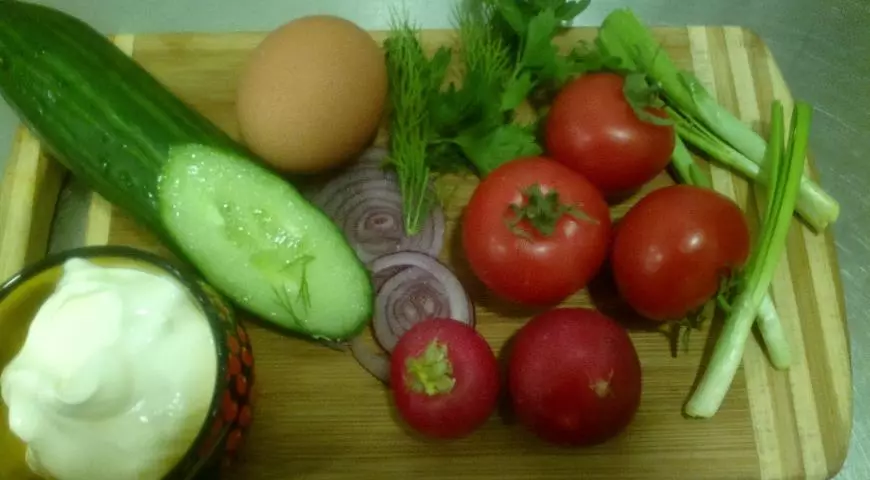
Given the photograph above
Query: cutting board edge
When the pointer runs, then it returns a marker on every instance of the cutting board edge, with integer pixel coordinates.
(836, 463)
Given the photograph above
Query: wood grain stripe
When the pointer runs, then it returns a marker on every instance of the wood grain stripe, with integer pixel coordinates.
(99, 220)
(19, 180)
(28, 195)
(783, 289)
(808, 366)
(771, 397)
(787, 434)
(99, 224)
(760, 403)
(760, 398)
(830, 367)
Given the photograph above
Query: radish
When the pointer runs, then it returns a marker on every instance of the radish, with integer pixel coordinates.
(445, 378)
(574, 377)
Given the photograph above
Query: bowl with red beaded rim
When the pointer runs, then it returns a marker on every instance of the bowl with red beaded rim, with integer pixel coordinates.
(229, 413)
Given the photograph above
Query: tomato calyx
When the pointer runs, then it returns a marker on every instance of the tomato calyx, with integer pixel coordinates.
(542, 211)
(727, 284)
(679, 331)
(431, 373)
(641, 94)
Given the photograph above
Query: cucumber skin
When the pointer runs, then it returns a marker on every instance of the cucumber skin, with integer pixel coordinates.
(100, 114)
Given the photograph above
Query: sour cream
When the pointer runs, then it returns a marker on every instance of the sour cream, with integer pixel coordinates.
(115, 377)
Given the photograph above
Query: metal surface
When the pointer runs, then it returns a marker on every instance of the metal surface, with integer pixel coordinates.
(823, 49)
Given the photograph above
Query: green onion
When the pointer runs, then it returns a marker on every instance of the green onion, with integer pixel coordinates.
(754, 281)
(700, 120)
(687, 170)
(769, 324)
(706, 141)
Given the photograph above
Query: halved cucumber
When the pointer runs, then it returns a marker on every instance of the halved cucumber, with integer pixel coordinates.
(253, 236)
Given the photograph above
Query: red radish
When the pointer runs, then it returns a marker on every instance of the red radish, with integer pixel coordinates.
(574, 376)
(445, 378)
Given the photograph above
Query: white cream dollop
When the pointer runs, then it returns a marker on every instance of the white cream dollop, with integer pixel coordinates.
(115, 377)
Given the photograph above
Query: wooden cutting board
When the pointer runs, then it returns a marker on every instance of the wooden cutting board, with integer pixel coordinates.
(320, 416)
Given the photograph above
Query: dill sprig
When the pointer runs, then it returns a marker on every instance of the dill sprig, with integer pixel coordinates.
(506, 51)
(482, 49)
(413, 79)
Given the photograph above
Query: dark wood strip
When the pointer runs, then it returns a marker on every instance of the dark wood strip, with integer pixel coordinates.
(791, 455)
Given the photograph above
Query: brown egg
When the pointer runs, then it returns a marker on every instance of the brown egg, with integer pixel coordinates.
(312, 94)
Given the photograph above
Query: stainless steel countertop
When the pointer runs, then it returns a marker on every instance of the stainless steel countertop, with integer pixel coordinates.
(823, 48)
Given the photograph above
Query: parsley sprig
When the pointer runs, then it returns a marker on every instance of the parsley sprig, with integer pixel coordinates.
(506, 55)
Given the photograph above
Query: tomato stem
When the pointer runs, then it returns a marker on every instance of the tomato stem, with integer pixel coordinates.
(542, 211)
(431, 372)
(699, 118)
(642, 96)
(679, 331)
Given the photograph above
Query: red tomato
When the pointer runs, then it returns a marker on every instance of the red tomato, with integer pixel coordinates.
(445, 378)
(674, 246)
(574, 376)
(592, 128)
(535, 231)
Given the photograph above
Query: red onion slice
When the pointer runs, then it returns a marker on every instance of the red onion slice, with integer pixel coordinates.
(365, 201)
(376, 363)
(373, 157)
(423, 288)
(380, 277)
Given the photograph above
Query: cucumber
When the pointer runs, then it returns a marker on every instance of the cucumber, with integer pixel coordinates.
(267, 240)
(210, 200)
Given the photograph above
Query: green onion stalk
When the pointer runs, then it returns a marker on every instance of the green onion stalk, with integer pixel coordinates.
(786, 166)
(699, 119)
(769, 323)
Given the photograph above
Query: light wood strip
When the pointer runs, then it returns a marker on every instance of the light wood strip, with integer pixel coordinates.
(702, 65)
(125, 42)
(804, 295)
(818, 297)
(19, 181)
(761, 404)
(836, 349)
(781, 394)
(99, 220)
(99, 223)
(821, 258)
(28, 195)
(783, 292)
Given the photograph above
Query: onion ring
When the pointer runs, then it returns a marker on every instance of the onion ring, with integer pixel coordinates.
(372, 157)
(365, 201)
(374, 362)
(423, 288)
